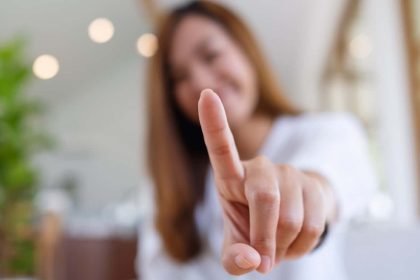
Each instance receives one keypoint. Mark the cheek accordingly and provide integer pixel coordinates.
(187, 102)
(236, 69)
(245, 74)
(238, 73)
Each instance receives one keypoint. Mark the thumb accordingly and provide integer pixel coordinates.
(240, 258)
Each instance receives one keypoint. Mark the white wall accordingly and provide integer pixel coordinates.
(297, 37)
(395, 123)
(101, 125)
(99, 133)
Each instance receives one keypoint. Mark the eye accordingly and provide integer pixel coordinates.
(211, 56)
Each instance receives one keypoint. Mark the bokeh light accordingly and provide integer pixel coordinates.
(101, 30)
(360, 46)
(45, 67)
(147, 44)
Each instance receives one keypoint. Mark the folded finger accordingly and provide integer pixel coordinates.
(314, 220)
(263, 195)
(291, 210)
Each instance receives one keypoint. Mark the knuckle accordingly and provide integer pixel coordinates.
(222, 149)
(312, 183)
(290, 224)
(314, 186)
(295, 254)
(266, 196)
(262, 160)
(264, 243)
(286, 170)
(215, 128)
(260, 163)
(280, 252)
(313, 231)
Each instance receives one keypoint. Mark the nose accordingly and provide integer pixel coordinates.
(201, 78)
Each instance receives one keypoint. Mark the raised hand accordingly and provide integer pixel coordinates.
(270, 211)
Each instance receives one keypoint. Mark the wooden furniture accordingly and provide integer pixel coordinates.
(111, 258)
(70, 257)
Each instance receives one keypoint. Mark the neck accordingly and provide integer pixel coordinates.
(251, 136)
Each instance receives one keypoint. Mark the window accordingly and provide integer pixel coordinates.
(411, 17)
(366, 75)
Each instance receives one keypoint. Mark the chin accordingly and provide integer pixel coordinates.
(235, 117)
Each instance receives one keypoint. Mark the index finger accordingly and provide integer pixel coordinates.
(218, 137)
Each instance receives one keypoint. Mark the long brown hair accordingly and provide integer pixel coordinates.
(177, 155)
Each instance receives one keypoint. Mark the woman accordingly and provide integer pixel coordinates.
(243, 183)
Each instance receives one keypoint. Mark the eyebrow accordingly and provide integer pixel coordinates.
(202, 45)
(197, 50)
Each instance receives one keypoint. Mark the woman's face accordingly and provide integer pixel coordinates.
(203, 55)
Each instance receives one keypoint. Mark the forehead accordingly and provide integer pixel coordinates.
(192, 32)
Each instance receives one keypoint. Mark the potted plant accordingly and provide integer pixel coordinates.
(20, 139)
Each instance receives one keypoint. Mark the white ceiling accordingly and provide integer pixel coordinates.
(59, 27)
(295, 35)
(97, 113)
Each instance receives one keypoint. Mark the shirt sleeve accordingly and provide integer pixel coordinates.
(334, 145)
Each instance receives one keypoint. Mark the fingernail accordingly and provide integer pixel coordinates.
(204, 90)
(242, 262)
(265, 265)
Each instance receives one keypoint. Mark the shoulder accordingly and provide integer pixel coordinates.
(313, 130)
(323, 119)
(326, 123)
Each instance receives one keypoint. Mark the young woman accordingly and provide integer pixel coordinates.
(243, 183)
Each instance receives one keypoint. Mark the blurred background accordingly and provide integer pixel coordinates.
(72, 123)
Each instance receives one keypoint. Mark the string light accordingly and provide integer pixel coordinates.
(147, 44)
(101, 30)
(45, 67)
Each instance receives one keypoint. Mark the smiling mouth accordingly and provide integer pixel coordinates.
(223, 94)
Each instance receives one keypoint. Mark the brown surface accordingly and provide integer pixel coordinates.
(91, 259)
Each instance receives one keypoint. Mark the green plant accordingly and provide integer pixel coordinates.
(20, 139)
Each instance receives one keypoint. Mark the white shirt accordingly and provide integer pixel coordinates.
(330, 144)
